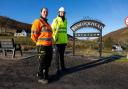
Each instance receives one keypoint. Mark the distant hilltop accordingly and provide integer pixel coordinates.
(119, 35)
(9, 25)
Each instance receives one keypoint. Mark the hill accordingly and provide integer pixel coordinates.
(118, 36)
(11, 25)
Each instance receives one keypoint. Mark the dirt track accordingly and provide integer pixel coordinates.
(82, 73)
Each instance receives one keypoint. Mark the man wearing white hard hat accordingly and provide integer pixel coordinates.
(59, 27)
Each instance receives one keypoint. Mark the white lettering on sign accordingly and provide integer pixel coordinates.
(87, 23)
(87, 34)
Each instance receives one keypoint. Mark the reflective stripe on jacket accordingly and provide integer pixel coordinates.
(59, 28)
(41, 32)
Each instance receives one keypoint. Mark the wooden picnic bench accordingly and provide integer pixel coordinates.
(9, 45)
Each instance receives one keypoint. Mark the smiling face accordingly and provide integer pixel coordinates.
(62, 13)
(44, 12)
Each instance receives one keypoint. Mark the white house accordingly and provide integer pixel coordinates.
(23, 33)
(117, 48)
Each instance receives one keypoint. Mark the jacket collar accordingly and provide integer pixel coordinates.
(44, 19)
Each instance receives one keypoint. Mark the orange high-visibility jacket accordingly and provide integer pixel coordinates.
(41, 32)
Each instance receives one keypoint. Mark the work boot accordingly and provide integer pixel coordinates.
(43, 81)
(40, 76)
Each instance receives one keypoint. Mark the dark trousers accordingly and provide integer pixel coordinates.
(60, 49)
(45, 58)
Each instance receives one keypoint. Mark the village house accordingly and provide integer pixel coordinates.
(22, 33)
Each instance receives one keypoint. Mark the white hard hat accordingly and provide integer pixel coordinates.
(61, 9)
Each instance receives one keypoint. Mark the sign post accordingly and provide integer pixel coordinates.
(84, 24)
(73, 43)
(126, 23)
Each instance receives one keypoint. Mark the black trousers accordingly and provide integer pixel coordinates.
(60, 49)
(45, 58)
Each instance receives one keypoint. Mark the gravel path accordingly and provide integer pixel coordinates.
(82, 73)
